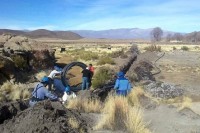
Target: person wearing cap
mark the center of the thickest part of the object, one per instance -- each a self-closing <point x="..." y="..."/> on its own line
<point x="51" y="76"/>
<point x="85" y="78"/>
<point x="122" y="84"/>
<point x="41" y="93"/>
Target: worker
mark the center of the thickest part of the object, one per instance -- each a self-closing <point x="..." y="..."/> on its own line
<point x="122" y="85"/>
<point x="91" y="68"/>
<point x="51" y="76"/>
<point x="41" y="93"/>
<point x="85" y="78"/>
<point x="60" y="88"/>
<point x="62" y="91"/>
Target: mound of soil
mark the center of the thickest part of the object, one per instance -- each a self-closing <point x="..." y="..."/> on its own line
<point x="45" y="117"/>
<point x="189" y="113"/>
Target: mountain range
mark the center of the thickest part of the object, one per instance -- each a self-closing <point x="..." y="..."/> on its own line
<point x="124" y="33"/>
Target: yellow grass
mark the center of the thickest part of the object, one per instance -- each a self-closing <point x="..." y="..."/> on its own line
<point x="41" y="74"/>
<point x="134" y="122"/>
<point x="73" y="123"/>
<point x="186" y="103"/>
<point x="115" y="112"/>
<point x="134" y="95"/>
<point x="85" y="105"/>
<point x="14" y="91"/>
<point x="167" y="47"/>
<point x="119" y="114"/>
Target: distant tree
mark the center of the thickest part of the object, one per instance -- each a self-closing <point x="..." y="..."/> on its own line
<point x="156" y="34"/>
<point x="168" y="37"/>
<point x="178" y="37"/>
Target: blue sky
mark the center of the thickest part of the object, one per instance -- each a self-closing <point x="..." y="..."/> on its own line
<point x="172" y="15"/>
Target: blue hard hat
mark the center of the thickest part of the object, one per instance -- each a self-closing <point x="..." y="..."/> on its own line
<point x="45" y="79"/>
<point x="120" y="74"/>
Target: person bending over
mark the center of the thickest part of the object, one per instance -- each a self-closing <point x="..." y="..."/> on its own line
<point x="41" y="93"/>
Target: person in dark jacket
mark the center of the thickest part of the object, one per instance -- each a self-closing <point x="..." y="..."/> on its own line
<point x="85" y="78"/>
<point x="122" y="85"/>
<point x="41" y="93"/>
<point x="60" y="88"/>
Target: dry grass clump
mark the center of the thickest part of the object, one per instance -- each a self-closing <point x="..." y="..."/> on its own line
<point x="118" y="114"/>
<point x="10" y="91"/>
<point x="115" y="112"/>
<point x="85" y="105"/>
<point x="73" y="123"/>
<point x="134" y="122"/>
<point x="41" y="74"/>
<point x="153" y="48"/>
<point x="186" y="103"/>
<point x="134" y="96"/>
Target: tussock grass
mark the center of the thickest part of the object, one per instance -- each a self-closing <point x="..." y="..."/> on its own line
<point x="40" y="75"/>
<point x="10" y="91"/>
<point x="134" y="122"/>
<point x="153" y="48"/>
<point x="119" y="114"/>
<point x="85" y="105"/>
<point x="186" y="103"/>
<point x="73" y="123"/>
<point x="114" y="111"/>
<point x="134" y="95"/>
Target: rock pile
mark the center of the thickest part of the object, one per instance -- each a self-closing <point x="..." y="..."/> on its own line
<point x="163" y="90"/>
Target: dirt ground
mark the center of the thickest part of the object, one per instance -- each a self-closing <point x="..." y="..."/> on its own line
<point x="181" y="68"/>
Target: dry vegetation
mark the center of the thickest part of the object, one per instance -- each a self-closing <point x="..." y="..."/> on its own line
<point x="10" y="91"/>
<point x="85" y="105"/>
<point x="119" y="114"/>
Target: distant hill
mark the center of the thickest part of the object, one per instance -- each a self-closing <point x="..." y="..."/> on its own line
<point x="42" y="33"/>
<point x="126" y="33"/>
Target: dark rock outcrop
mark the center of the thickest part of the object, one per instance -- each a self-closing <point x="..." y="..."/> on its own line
<point x="18" y="53"/>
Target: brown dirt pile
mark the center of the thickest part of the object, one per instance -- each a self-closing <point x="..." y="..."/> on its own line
<point x="45" y="117"/>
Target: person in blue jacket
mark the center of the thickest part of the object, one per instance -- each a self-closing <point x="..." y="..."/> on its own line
<point x="122" y="85"/>
<point x="60" y="88"/>
<point x="41" y="93"/>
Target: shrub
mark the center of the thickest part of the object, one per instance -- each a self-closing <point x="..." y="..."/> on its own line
<point x="174" y="48"/>
<point x="84" y="55"/>
<point x="153" y="48"/>
<point x="184" y="48"/>
<point x="116" y="54"/>
<point x="20" y="62"/>
<point x="106" y="60"/>
<point x="102" y="76"/>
